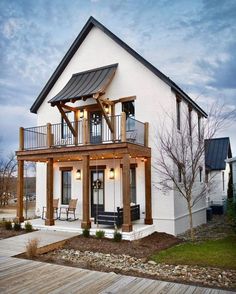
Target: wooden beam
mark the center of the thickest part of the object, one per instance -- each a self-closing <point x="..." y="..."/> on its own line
<point x="49" y="135"/>
<point x="85" y="224"/>
<point x="21" y="139"/>
<point x="99" y="102"/>
<point x="124" y="99"/>
<point x="66" y="120"/>
<point x="49" y="203"/>
<point x="76" y="128"/>
<point x="67" y="107"/>
<point x="146" y="134"/>
<point x="148" y="193"/>
<point x="127" y="225"/>
<point x="20" y="190"/>
<point x="123" y="127"/>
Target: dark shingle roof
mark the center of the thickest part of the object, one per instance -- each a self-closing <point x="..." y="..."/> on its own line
<point x="85" y="84"/>
<point x="92" y="22"/>
<point x="216" y="152"/>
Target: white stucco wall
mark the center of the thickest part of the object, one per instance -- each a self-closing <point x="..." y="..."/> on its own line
<point x="154" y="100"/>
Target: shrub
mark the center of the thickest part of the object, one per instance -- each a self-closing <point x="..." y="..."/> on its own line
<point x="100" y="234"/>
<point x="32" y="248"/>
<point x="8" y="225"/>
<point x="117" y="236"/>
<point x="17" y="226"/>
<point x="86" y="233"/>
<point x="231" y="213"/>
<point x="28" y="227"/>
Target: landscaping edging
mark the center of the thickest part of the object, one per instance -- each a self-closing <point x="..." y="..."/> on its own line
<point x="210" y="277"/>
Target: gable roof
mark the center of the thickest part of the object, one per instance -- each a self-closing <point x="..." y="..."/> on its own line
<point x="85" y="84"/>
<point x="92" y="22"/>
<point x="216" y="152"/>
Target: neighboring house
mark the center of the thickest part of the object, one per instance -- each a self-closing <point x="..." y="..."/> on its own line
<point x="217" y="151"/>
<point x="98" y="117"/>
<point x="232" y="163"/>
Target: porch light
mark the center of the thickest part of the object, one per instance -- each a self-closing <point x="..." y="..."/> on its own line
<point x="78" y="174"/>
<point x="81" y="114"/>
<point x="112" y="174"/>
<point x="106" y="109"/>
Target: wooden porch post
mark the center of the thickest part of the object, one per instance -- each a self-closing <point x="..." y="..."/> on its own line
<point x="49" y="215"/>
<point x="148" y="192"/>
<point x="21" y="139"/>
<point x="127" y="225"/>
<point x="20" y="191"/>
<point x="85" y="224"/>
<point x="76" y="127"/>
<point x="123" y="127"/>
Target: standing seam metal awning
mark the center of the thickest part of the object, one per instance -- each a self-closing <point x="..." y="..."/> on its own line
<point x="85" y="84"/>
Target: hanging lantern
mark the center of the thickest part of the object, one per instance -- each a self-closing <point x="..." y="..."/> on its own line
<point x="112" y="174"/>
<point x="78" y="174"/>
<point x="81" y="114"/>
<point x="106" y="109"/>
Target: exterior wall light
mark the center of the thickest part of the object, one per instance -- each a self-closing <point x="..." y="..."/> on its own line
<point x="112" y="174"/>
<point x="78" y="174"/>
<point x="81" y="114"/>
<point x="106" y="109"/>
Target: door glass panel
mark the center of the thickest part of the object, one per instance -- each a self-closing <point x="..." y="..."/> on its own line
<point x="97" y="192"/>
<point x="95" y="127"/>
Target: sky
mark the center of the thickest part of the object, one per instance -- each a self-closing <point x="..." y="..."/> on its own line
<point x="191" y="41"/>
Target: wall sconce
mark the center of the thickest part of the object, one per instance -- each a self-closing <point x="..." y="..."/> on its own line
<point x="78" y="174"/>
<point x="106" y="109"/>
<point x="112" y="174"/>
<point x="81" y="114"/>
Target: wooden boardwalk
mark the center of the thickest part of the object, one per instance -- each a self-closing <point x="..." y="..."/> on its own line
<point x="27" y="276"/>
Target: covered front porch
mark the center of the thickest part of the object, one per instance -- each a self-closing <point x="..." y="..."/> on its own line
<point x="121" y="157"/>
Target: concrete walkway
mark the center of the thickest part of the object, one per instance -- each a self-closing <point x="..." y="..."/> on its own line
<point x="27" y="276"/>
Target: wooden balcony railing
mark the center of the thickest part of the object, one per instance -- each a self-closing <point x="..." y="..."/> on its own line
<point x="59" y="135"/>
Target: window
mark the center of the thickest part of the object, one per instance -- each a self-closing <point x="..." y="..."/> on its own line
<point x="66" y="186"/>
<point x="178" y="101"/>
<point x="199" y="127"/>
<point x="129" y="109"/>
<point x="223" y="180"/>
<point x="133" y="184"/>
<point x="200" y="174"/>
<point x="65" y="131"/>
<point x="179" y="174"/>
<point x="190" y="120"/>
<point x="207" y="176"/>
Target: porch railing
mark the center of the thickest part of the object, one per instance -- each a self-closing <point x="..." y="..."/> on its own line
<point x="87" y="132"/>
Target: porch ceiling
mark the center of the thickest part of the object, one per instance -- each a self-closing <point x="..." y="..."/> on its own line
<point x="85" y="84"/>
<point x="75" y="153"/>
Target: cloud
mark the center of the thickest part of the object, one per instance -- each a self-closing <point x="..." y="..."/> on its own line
<point x="10" y="27"/>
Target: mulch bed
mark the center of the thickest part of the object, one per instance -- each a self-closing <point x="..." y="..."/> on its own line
<point x="10" y="233"/>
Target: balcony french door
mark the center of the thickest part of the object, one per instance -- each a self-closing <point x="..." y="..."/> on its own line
<point x="95" y="127"/>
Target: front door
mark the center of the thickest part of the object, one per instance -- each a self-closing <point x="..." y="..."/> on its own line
<point x="97" y="192"/>
<point x="95" y="127"/>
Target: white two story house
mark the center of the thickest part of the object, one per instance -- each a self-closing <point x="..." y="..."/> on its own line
<point x="96" y="138"/>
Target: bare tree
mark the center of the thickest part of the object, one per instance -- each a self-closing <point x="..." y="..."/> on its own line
<point x="181" y="155"/>
<point x="7" y="178"/>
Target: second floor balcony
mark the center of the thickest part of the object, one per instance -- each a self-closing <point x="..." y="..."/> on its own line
<point x="95" y="131"/>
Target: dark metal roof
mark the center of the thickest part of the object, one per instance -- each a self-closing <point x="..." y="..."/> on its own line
<point x="85" y="84"/>
<point x="217" y="150"/>
<point x="76" y="44"/>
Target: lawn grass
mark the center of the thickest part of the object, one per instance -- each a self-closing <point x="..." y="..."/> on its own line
<point x="216" y="253"/>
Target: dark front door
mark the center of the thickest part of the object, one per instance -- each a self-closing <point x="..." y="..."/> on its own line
<point x="95" y="127"/>
<point x="97" y="192"/>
